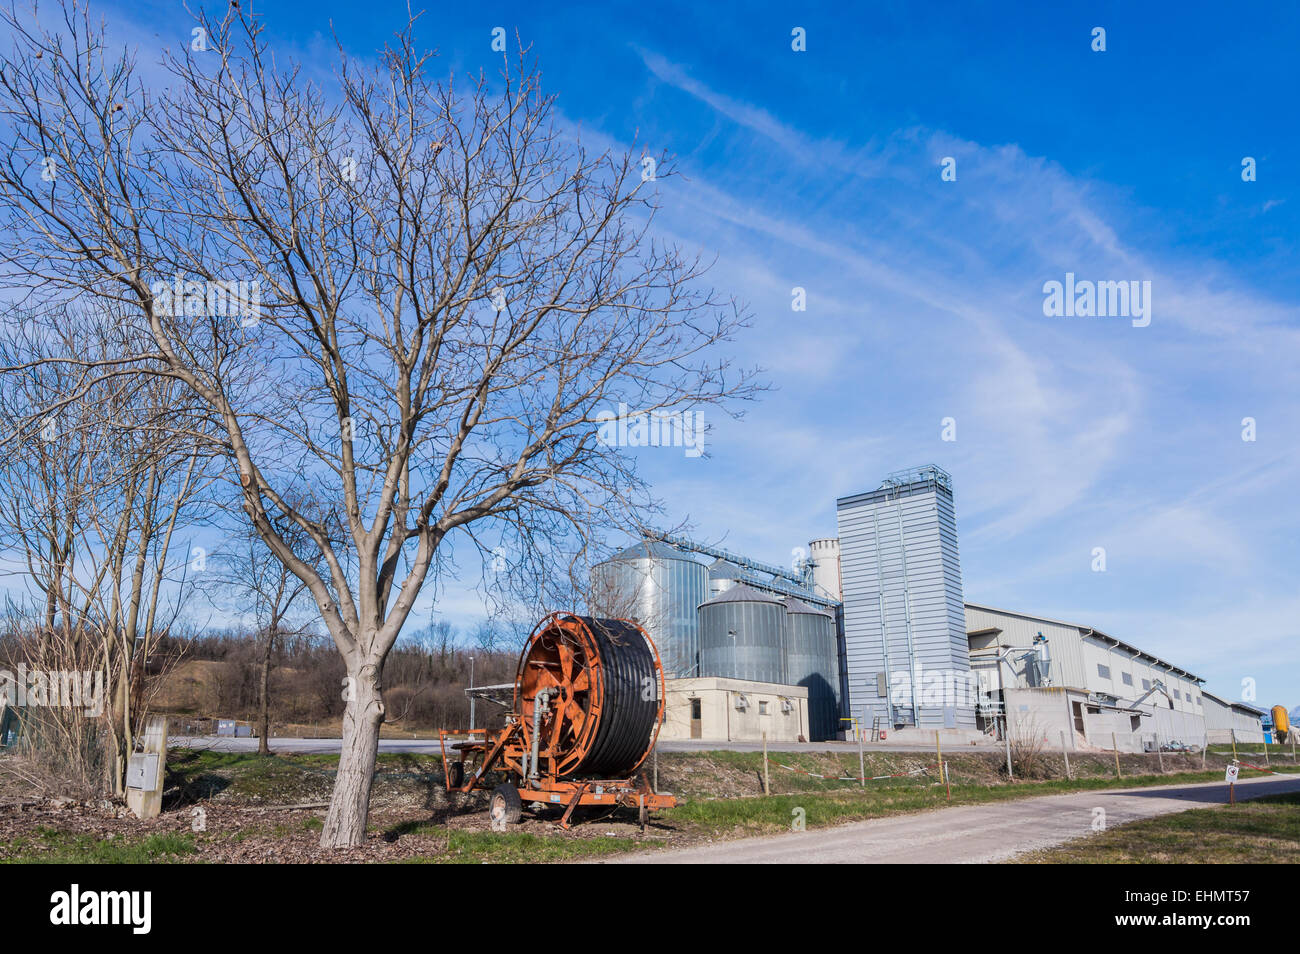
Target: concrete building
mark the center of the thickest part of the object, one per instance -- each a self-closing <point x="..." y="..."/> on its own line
<point x="1226" y="720"/>
<point x="1072" y="681"/>
<point x="734" y="710"/>
<point x="905" y="643"/>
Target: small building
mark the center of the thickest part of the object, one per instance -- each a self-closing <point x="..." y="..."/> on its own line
<point x="734" y="710"/>
<point x="1223" y="718"/>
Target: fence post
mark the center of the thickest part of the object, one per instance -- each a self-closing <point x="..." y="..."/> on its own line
<point x="1066" y="753"/>
<point x="1114" y="744"/>
<point x="1160" y="756"/>
<point x="1205" y="748"/>
<point x="1006" y="737"/>
<point x="767" y="786"/>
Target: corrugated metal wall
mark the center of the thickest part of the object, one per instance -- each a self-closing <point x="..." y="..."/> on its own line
<point x="812" y="661"/>
<point x="1082" y="660"/>
<point x="881" y="533"/>
<point x="757" y="652"/>
<point x="662" y="594"/>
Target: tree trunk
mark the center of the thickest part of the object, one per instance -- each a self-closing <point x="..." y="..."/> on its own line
<point x="263" y="745"/>
<point x="345" y="823"/>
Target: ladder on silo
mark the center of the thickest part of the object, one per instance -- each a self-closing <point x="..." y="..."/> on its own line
<point x="875" y="728"/>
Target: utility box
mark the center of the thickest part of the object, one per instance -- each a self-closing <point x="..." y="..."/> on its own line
<point x="142" y="771"/>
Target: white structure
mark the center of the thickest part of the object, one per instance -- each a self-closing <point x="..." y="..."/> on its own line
<point x="1072" y="678"/>
<point x="825" y="556"/>
<point x="734" y="710"/>
<point x="1226" y="720"/>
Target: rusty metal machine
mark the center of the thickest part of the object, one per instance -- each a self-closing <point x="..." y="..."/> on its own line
<point x="588" y="702"/>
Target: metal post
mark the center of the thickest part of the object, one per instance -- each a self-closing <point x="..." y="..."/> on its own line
<point x="471" y="695"/>
<point x="1266" y="751"/>
<point x="656" y="766"/>
<point x="947" y="782"/>
<point x="767" y="785"/>
<point x="1066" y="753"/>
<point x="1204" y="749"/>
<point x="1006" y="737"/>
<point x="1114" y="744"/>
<point x="1160" y="756"/>
<point x="862" y="760"/>
<point x="938" y="750"/>
<point x="1233" y="733"/>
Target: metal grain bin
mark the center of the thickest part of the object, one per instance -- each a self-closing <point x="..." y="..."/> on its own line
<point x="742" y="636"/>
<point x="660" y="588"/>
<point x="812" y="661"/>
<point x="722" y="577"/>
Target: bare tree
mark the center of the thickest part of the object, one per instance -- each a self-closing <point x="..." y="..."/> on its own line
<point x="94" y="482"/>
<point x="263" y="586"/>
<point x="449" y="296"/>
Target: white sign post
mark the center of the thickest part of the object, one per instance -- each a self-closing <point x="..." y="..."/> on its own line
<point x="1231" y="778"/>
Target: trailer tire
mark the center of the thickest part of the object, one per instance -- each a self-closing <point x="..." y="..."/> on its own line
<point x="505" y="808"/>
<point x="455" y="774"/>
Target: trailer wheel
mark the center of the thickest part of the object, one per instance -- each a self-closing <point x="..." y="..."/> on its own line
<point x="505" y="807"/>
<point x="455" y="774"/>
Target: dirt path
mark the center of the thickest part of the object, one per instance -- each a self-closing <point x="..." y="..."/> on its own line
<point x="973" y="834"/>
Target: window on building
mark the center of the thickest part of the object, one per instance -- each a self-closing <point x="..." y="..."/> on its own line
<point x="695" y="708"/>
<point x="1127" y="677"/>
<point x="1146" y="683"/>
<point x="1103" y="671"/>
<point x="762" y="708"/>
<point x="1177" y="695"/>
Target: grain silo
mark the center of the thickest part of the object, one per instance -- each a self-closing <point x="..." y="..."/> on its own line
<point x="722" y="576"/>
<point x="825" y="556"/>
<point x="659" y="587"/>
<point x="812" y="661"/>
<point x="904" y="616"/>
<point x="742" y="636"/>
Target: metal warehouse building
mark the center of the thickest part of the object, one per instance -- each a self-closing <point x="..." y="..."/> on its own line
<point x="1227" y="721"/>
<point x="1079" y="686"/>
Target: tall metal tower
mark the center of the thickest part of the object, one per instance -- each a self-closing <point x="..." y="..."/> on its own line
<point x="905" y="642"/>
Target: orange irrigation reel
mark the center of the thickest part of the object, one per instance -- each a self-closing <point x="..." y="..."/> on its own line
<point x="588" y="703"/>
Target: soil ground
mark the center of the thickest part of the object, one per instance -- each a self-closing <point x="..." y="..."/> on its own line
<point x="227" y="807"/>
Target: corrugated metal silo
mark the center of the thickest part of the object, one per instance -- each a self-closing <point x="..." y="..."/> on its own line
<point x="812" y="661"/>
<point x="722" y="576"/>
<point x="660" y="587"/>
<point x="742" y="636"/>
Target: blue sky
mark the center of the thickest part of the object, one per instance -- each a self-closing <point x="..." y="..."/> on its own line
<point x="821" y="169"/>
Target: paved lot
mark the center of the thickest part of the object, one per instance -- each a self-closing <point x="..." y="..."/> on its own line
<point x="975" y="834"/>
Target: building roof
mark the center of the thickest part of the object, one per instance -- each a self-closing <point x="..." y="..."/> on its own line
<point x="651" y="549"/>
<point x="720" y="569"/>
<point x="795" y="605"/>
<point x="740" y="593"/>
<point x="1090" y="631"/>
<point x="1233" y="705"/>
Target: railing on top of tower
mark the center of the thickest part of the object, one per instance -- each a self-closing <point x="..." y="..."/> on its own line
<point x="931" y="474"/>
